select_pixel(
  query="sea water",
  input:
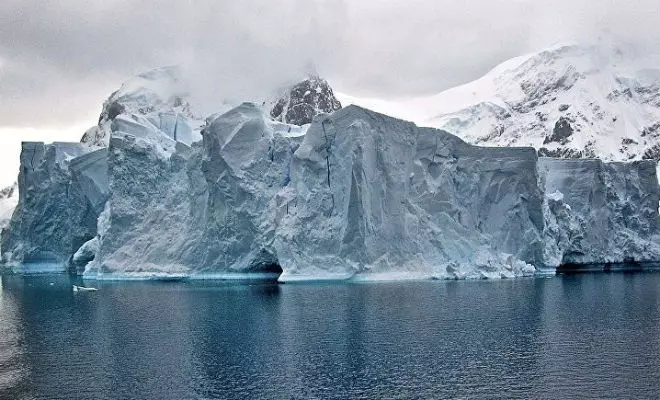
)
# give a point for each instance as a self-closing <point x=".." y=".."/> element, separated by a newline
<point x="579" y="336"/>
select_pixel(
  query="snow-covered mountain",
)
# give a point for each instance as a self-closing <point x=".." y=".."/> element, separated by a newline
<point x="8" y="201"/>
<point x="569" y="101"/>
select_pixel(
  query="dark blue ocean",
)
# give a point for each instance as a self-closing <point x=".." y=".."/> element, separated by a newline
<point x="573" y="336"/>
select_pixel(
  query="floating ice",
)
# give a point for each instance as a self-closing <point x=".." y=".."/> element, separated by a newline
<point x="359" y="196"/>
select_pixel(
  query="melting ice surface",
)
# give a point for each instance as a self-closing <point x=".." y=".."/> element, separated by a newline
<point x="591" y="335"/>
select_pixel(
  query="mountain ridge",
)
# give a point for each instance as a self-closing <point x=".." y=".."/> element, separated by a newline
<point x="568" y="102"/>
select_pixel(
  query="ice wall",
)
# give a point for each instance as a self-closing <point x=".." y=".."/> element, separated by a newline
<point x="599" y="212"/>
<point x="364" y="195"/>
<point x="375" y="197"/>
<point x="202" y="211"/>
<point x="360" y="196"/>
<point x="62" y="188"/>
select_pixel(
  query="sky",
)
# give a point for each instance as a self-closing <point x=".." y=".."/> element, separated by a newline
<point x="60" y="59"/>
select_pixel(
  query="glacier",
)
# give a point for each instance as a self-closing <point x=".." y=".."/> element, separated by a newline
<point x="155" y="191"/>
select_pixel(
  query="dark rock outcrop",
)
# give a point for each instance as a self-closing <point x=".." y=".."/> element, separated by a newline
<point x="561" y="131"/>
<point x="304" y="100"/>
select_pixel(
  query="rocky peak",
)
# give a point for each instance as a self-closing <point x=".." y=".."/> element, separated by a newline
<point x="304" y="100"/>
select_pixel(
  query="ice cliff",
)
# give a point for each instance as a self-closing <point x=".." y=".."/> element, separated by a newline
<point x="600" y="213"/>
<point x="156" y="191"/>
<point x="203" y="210"/>
<point x="378" y="197"/>
<point x="62" y="190"/>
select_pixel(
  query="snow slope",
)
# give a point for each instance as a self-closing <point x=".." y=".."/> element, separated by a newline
<point x="8" y="201"/>
<point x="568" y="101"/>
<point x="160" y="96"/>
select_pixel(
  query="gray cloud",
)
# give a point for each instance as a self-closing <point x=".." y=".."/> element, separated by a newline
<point x="60" y="59"/>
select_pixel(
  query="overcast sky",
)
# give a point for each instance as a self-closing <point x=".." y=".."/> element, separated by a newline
<point x="60" y="59"/>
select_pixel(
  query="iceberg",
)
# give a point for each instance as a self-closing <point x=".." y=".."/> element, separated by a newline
<point x="62" y="190"/>
<point x="600" y="213"/>
<point x="355" y="195"/>
<point x="204" y="210"/>
<point x="373" y="195"/>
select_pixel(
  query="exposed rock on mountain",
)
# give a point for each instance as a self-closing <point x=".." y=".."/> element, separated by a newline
<point x="304" y="100"/>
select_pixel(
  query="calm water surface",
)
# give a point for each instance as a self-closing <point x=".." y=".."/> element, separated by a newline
<point x="580" y="336"/>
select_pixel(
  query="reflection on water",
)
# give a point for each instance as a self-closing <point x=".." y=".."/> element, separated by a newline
<point x="583" y="335"/>
<point x="13" y="371"/>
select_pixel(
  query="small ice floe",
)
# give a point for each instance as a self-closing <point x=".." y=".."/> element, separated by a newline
<point x="83" y="289"/>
